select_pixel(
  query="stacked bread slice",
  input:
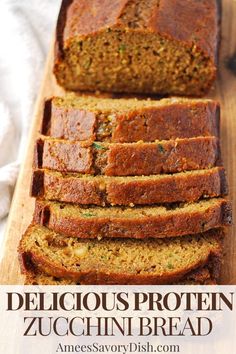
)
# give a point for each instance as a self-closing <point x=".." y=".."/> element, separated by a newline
<point x="127" y="192"/>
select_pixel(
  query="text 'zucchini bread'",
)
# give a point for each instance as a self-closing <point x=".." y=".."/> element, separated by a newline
<point x="140" y="222"/>
<point x="186" y="186"/>
<point x="127" y="159"/>
<point x="152" y="261"/>
<point x="129" y="120"/>
<point x="142" y="46"/>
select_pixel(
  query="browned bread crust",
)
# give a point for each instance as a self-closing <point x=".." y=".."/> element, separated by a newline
<point x="145" y="222"/>
<point x="182" y="24"/>
<point x="202" y="276"/>
<point x="172" y="119"/>
<point x="62" y="257"/>
<point x="128" y="159"/>
<point x="101" y="190"/>
<point x="192" y="26"/>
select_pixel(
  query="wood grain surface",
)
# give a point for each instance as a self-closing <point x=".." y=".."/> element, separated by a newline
<point x="225" y="91"/>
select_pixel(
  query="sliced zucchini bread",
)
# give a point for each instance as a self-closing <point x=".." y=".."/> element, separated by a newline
<point x="116" y="261"/>
<point x="129" y="120"/>
<point x="186" y="186"/>
<point x="127" y="159"/>
<point x="138" y="222"/>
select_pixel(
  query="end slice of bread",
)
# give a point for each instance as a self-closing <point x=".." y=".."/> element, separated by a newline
<point x="115" y="261"/>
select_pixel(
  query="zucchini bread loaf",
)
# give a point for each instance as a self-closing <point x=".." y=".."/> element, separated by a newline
<point x="140" y="222"/>
<point x="152" y="261"/>
<point x="127" y="159"/>
<point x="129" y="120"/>
<point x="186" y="186"/>
<point x="144" y="46"/>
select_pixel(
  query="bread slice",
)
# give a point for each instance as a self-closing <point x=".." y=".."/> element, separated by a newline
<point x="201" y="276"/>
<point x="186" y="186"/>
<point x="129" y="120"/>
<point x="128" y="159"/>
<point x="116" y="261"/>
<point x="164" y="46"/>
<point x="139" y="222"/>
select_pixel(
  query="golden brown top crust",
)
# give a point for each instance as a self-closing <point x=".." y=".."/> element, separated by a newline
<point x="89" y="16"/>
<point x="189" y="21"/>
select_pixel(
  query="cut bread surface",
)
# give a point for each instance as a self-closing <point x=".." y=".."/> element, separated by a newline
<point x="128" y="159"/>
<point x="129" y="120"/>
<point x="115" y="261"/>
<point x="139" y="222"/>
<point x="186" y="186"/>
<point x="137" y="46"/>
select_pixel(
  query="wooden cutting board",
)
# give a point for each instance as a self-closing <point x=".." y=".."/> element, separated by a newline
<point x="225" y="90"/>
